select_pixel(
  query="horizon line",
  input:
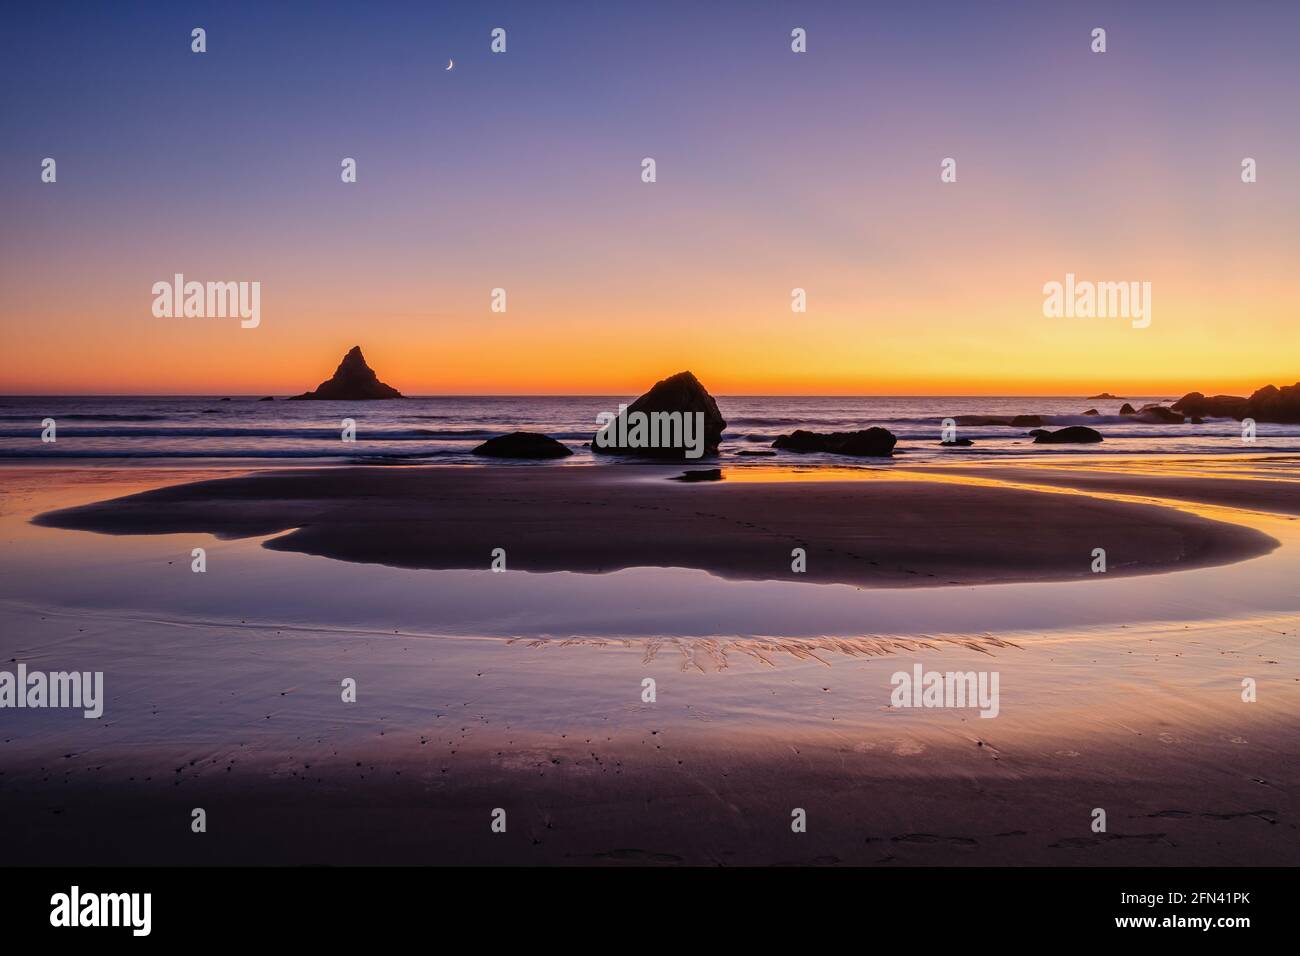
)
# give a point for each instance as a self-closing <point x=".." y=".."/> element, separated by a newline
<point x="258" y="396"/>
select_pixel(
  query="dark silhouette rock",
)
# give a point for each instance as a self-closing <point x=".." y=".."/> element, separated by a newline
<point x="1073" y="435"/>
<point x="679" y="393"/>
<point x="1159" y="415"/>
<point x="352" y="381"/>
<point x="1272" y="404"/>
<point x="872" y="442"/>
<point x="1092" y="411"/>
<point x="1267" y="404"/>
<point x="1218" y="406"/>
<point x="1104" y="396"/>
<point x="756" y="454"/>
<point x="702" y="474"/>
<point x="958" y="443"/>
<point x="269" y="398"/>
<point x="1127" y="409"/>
<point x="522" y="445"/>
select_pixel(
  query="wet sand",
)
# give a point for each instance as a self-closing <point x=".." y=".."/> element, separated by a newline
<point x="1191" y="483"/>
<point x="246" y="723"/>
<point x="870" y="530"/>
<point x="523" y="692"/>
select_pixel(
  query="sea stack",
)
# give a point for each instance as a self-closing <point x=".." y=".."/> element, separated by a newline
<point x="681" y="393"/>
<point x="353" y="381"/>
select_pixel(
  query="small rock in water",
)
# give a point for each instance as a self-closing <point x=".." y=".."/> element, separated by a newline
<point x="1159" y="415"/>
<point x="522" y="445"/>
<point x="1074" y="435"/>
<point x="871" y="442"/>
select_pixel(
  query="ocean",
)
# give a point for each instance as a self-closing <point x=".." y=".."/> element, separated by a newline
<point x="445" y="429"/>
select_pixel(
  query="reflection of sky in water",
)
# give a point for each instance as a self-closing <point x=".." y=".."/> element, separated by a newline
<point x="245" y="582"/>
<point x="274" y="683"/>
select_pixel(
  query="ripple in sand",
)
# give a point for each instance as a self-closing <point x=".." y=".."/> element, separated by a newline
<point x="714" y="654"/>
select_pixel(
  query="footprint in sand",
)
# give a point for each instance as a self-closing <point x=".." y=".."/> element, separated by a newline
<point x="1268" y="816"/>
<point x="1083" y="843"/>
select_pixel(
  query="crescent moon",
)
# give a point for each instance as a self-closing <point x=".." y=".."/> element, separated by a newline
<point x="450" y="63"/>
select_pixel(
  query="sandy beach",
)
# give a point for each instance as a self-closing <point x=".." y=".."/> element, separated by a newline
<point x="523" y="690"/>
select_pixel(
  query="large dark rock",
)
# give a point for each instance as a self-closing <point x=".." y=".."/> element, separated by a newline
<point x="1127" y="409"/>
<point x="1220" y="406"/>
<point x="700" y="474"/>
<point x="1271" y="404"/>
<point x="872" y="442"/>
<point x="1092" y="411"/>
<point x="1074" y="435"/>
<point x="1104" y="395"/>
<point x="1159" y="415"/>
<point x="1267" y="404"/>
<point x="352" y="381"/>
<point x="522" y="445"/>
<point x="679" y="393"/>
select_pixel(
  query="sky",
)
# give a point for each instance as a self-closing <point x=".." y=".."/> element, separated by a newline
<point x="775" y="170"/>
